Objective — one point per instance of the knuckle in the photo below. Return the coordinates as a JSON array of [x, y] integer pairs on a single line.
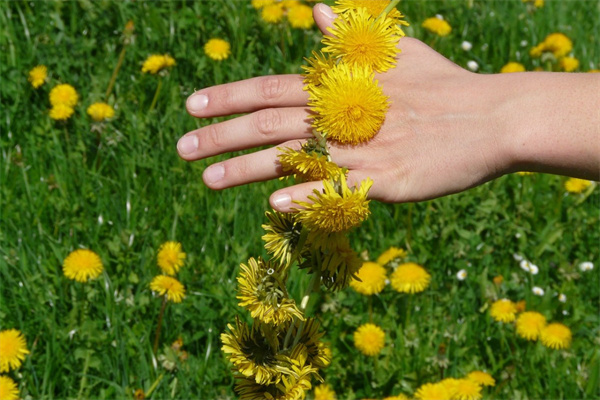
[[271, 88], [267, 121], [212, 138], [225, 98]]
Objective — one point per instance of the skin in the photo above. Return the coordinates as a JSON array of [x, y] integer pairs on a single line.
[[447, 129]]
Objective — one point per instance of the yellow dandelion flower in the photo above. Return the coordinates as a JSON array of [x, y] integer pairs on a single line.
[[568, 64], [262, 291], [503, 310], [556, 336], [283, 236], [521, 306], [556, 43], [217, 49], [168, 286], [309, 336], [481, 377], [576, 185], [374, 8], [324, 392], [156, 63], [82, 265], [438, 26], [38, 75], [369, 339], [8, 388], [13, 349], [450, 384], [100, 111], [61, 112], [410, 278], [300, 17], [498, 280], [525, 173], [170, 257], [594, 70], [391, 254], [371, 279], [333, 211], [272, 13], [258, 4], [432, 391], [363, 41], [512, 67], [536, 3], [397, 397], [318, 64], [466, 389], [349, 105], [139, 394], [530, 324], [308, 166], [63, 94]]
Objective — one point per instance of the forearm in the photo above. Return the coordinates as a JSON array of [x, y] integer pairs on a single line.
[[550, 122]]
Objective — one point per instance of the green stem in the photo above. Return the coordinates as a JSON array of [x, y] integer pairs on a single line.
[[389, 8], [83, 382], [159, 324], [113, 78], [154, 385], [155, 99], [371, 309]]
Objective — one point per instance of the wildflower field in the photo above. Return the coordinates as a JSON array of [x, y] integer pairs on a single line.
[[124, 277]]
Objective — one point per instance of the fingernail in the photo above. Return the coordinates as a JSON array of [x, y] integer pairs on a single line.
[[214, 173], [187, 144], [326, 11], [197, 102], [282, 200]]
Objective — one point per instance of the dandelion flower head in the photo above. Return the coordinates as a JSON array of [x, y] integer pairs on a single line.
[[438, 26], [391, 254], [430, 391], [467, 389], [308, 166], [272, 13], [61, 112], [8, 389], [170, 257], [530, 324], [512, 67], [283, 235], [301, 17], [369, 339], [157, 62], [318, 64], [258, 4], [217, 49], [38, 75], [481, 377], [64, 94], [100, 111], [333, 211], [349, 105], [576, 185], [324, 392], [410, 278], [556, 43], [397, 397], [169, 286], [568, 64], [556, 336], [503, 310], [82, 265], [372, 279], [374, 8], [364, 41], [13, 349]]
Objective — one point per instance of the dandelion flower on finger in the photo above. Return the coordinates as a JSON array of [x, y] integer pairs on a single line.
[[82, 265], [168, 286], [13, 349], [410, 278], [37, 76], [8, 389], [64, 94], [371, 279], [530, 324], [374, 8], [282, 237], [318, 64], [349, 105], [308, 166], [503, 310], [217, 49], [170, 257], [556, 336], [100, 111], [481, 377], [369, 339], [361, 40]]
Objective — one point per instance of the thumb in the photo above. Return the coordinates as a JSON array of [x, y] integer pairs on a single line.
[[324, 17]]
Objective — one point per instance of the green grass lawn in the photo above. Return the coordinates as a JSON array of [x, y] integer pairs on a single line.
[[120, 189]]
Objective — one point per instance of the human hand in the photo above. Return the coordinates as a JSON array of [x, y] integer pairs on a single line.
[[443, 132]]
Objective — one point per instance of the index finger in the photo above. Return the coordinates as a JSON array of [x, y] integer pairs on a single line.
[[247, 96]]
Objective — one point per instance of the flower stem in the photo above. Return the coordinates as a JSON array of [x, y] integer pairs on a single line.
[[83, 382], [389, 8], [154, 385], [159, 324], [155, 99], [113, 78]]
